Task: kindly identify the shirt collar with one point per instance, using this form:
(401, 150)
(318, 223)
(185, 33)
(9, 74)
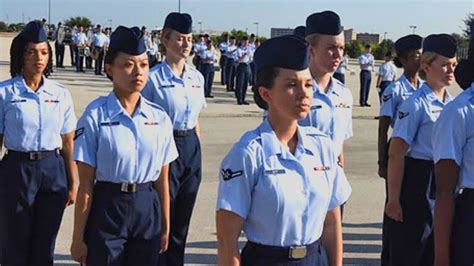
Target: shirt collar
(23, 88)
(431, 96)
(115, 108)
(272, 146)
(404, 79)
(333, 88)
(168, 73)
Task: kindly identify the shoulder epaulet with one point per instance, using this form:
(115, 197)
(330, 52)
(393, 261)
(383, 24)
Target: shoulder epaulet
(153, 105)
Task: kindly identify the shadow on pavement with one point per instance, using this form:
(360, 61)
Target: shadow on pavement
(367, 225)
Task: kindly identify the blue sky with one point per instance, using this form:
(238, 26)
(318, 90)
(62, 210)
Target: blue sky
(378, 16)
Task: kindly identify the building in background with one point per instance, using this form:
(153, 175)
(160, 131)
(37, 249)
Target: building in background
(369, 38)
(275, 32)
(350, 35)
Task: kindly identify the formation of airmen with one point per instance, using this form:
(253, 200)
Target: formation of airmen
(132, 162)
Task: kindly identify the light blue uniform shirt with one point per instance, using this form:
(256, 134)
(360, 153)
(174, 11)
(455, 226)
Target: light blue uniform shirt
(453, 136)
(283, 197)
(416, 118)
(343, 65)
(394, 95)
(35, 121)
(331, 113)
(367, 58)
(223, 48)
(80, 39)
(388, 71)
(208, 56)
(181, 98)
(244, 55)
(121, 148)
(199, 47)
(99, 39)
(231, 52)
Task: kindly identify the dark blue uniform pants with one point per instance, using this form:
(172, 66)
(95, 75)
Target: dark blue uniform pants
(185, 178)
(383, 86)
(208, 73)
(365, 79)
(242, 82)
(258, 255)
(253, 75)
(462, 239)
(230, 67)
(99, 61)
(411, 241)
(339, 76)
(123, 228)
(33, 196)
(222, 63)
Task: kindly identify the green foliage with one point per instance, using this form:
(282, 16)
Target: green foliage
(467, 21)
(3, 26)
(78, 21)
(379, 50)
(14, 27)
(238, 34)
(354, 49)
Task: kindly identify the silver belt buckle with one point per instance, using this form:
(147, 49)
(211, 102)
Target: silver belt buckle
(297, 252)
(128, 187)
(33, 156)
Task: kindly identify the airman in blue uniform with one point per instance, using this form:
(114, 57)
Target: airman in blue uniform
(411, 187)
(37, 175)
(179, 89)
(279, 182)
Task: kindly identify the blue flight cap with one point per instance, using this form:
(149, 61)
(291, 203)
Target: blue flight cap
(127, 40)
(292, 51)
(442, 44)
(407, 43)
(326, 22)
(300, 31)
(180, 22)
(34, 32)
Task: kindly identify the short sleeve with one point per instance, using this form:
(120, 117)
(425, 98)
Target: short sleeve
(341, 189)
(2, 111)
(237, 177)
(388, 102)
(406, 126)
(70, 119)
(449, 136)
(86, 140)
(349, 130)
(381, 70)
(170, 151)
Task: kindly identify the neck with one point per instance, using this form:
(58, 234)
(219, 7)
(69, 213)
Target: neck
(412, 78)
(33, 81)
(128, 100)
(438, 90)
(176, 65)
(285, 130)
(323, 79)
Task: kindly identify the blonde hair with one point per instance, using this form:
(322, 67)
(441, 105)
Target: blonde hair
(165, 34)
(426, 58)
(313, 39)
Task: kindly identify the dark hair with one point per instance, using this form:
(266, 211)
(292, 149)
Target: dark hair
(109, 59)
(367, 46)
(388, 54)
(265, 78)
(402, 54)
(17, 57)
(232, 38)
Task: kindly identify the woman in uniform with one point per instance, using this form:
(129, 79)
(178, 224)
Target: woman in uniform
(178, 88)
(279, 182)
(124, 145)
(411, 188)
(453, 146)
(38, 175)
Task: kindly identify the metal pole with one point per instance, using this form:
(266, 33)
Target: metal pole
(256, 23)
(179, 6)
(49, 11)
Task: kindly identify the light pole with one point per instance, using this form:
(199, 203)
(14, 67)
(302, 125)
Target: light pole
(49, 11)
(384, 36)
(179, 6)
(110, 22)
(413, 27)
(23, 18)
(256, 23)
(200, 27)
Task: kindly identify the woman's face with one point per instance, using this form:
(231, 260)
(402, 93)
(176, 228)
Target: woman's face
(178, 45)
(129, 72)
(36, 58)
(291, 95)
(411, 62)
(441, 70)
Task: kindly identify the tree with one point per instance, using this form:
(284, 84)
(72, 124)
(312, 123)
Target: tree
(78, 21)
(3, 26)
(238, 34)
(380, 50)
(354, 49)
(468, 20)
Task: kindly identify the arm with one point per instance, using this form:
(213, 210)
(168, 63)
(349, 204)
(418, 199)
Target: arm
(384, 124)
(447, 173)
(228, 226)
(332, 237)
(379, 81)
(198, 130)
(162, 186)
(340, 159)
(71, 166)
(396, 164)
(81, 212)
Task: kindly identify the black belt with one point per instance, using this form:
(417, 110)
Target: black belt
(32, 155)
(295, 252)
(124, 187)
(245, 64)
(183, 133)
(365, 70)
